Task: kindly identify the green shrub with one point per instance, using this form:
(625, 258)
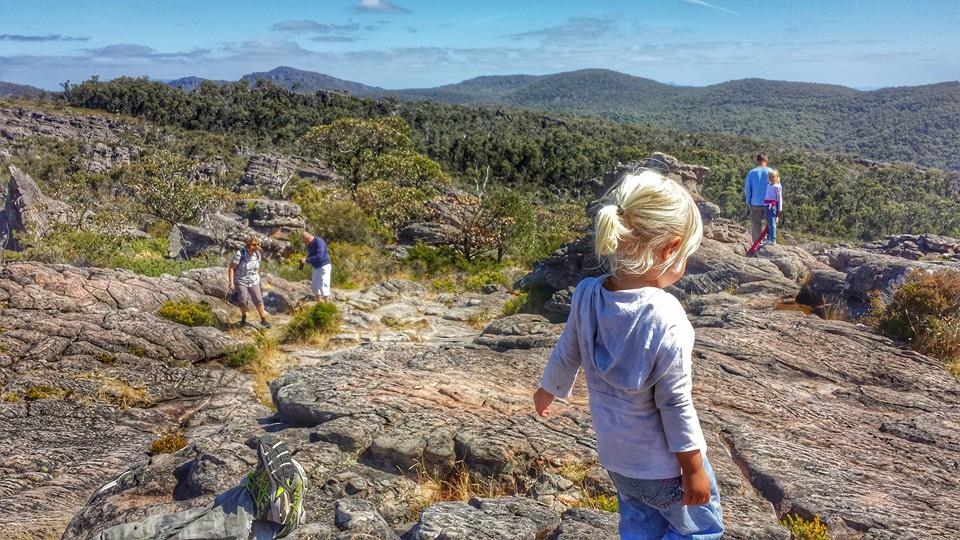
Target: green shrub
(333, 216)
(90, 248)
(476, 282)
(188, 313)
(242, 355)
(515, 305)
(356, 266)
(925, 313)
(445, 284)
(801, 529)
(45, 391)
(319, 319)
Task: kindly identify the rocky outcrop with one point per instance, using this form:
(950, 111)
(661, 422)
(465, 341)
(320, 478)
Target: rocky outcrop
(218, 234)
(522, 331)
(89, 377)
(273, 175)
(430, 234)
(272, 218)
(274, 223)
(27, 212)
(98, 136)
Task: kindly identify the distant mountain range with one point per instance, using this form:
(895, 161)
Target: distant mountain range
(919, 124)
(915, 123)
(11, 89)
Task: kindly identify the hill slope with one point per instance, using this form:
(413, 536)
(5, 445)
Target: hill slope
(309, 81)
(918, 124)
(13, 89)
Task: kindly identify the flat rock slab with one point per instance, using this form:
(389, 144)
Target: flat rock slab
(827, 418)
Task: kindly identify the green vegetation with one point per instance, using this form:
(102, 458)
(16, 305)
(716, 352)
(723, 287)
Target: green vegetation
(242, 356)
(146, 256)
(892, 124)
(517, 304)
(321, 319)
(829, 195)
(801, 529)
(924, 313)
(161, 183)
(168, 443)
(188, 313)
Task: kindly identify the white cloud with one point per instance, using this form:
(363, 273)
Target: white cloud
(380, 6)
(711, 6)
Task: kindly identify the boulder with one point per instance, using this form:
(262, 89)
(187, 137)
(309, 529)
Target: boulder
(218, 234)
(269, 174)
(270, 217)
(521, 331)
(427, 233)
(27, 211)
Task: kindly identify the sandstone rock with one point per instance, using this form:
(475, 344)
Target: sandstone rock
(94, 377)
(271, 217)
(27, 211)
(360, 517)
(427, 233)
(269, 174)
(219, 234)
(521, 331)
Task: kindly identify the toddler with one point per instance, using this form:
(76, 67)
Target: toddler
(634, 343)
(774, 201)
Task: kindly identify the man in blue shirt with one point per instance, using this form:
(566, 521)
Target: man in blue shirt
(319, 259)
(755, 190)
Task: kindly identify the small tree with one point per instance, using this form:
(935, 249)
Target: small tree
(161, 184)
(354, 146)
(486, 219)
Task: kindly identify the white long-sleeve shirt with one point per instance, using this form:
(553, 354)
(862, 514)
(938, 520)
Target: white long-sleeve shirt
(635, 350)
(774, 193)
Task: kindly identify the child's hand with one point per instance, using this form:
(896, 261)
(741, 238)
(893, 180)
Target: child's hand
(696, 483)
(541, 401)
(696, 487)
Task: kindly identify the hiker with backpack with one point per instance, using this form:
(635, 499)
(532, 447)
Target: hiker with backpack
(319, 258)
(244, 275)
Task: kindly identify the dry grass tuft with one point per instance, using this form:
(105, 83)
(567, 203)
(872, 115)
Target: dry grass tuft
(460, 484)
(168, 443)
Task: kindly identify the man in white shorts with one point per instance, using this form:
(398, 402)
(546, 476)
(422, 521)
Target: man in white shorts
(319, 258)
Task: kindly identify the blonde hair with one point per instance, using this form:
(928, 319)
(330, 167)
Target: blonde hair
(773, 176)
(640, 215)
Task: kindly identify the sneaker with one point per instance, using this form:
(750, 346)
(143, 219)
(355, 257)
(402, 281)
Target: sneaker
(266, 324)
(277, 485)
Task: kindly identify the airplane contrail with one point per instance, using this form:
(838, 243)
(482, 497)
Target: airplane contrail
(705, 4)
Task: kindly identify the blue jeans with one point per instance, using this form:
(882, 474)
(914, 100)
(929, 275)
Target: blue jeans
(771, 224)
(652, 510)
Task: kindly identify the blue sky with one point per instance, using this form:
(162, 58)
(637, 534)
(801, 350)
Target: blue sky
(418, 43)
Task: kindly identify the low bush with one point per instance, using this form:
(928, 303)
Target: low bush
(476, 282)
(168, 443)
(319, 319)
(91, 248)
(356, 266)
(188, 313)
(801, 529)
(607, 503)
(924, 313)
(332, 215)
(515, 305)
(242, 355)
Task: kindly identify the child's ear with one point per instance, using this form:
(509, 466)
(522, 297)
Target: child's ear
(671, 247)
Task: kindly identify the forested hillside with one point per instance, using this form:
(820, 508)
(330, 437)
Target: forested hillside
(920, 124)
(827, 194)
